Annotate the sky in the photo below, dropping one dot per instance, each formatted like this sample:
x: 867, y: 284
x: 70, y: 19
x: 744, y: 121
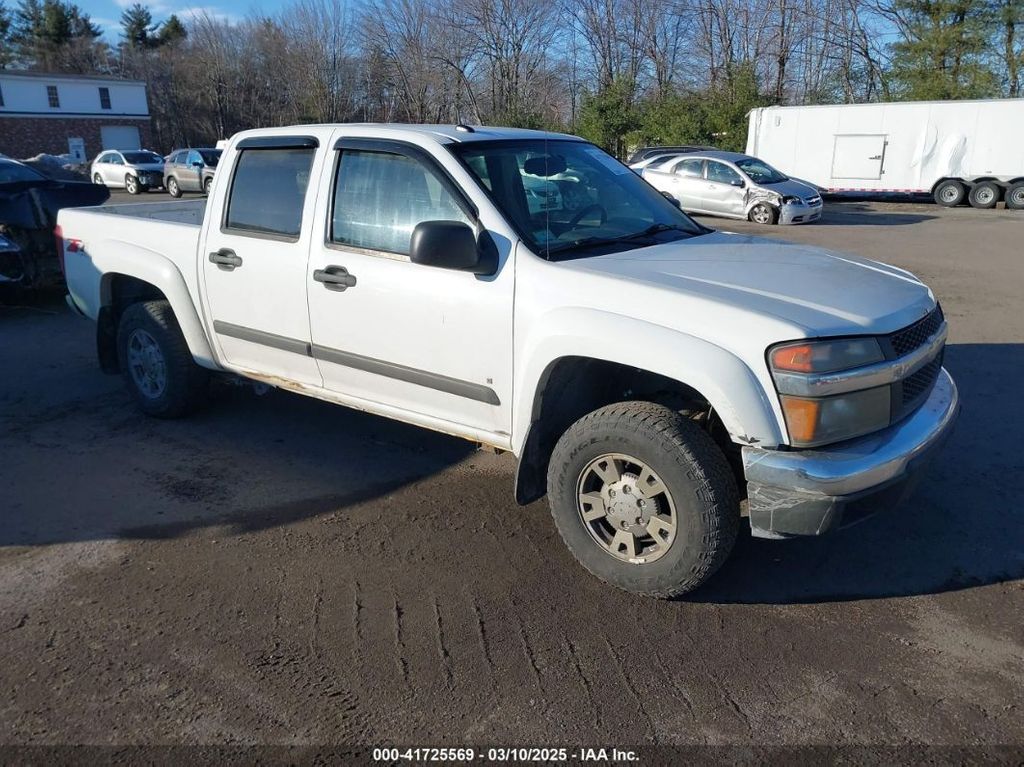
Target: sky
x: 107, y: 13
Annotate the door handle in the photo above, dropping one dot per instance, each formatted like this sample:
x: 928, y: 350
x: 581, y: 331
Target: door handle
x: 225, y: 259
x: 876, y: 157
x: 335, y: 278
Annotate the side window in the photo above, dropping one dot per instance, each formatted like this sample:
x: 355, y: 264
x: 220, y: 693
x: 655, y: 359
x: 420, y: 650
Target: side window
x: 104, y: 98
x: 723, y: 174
x: 115, y: 159
x: 176, y: 158
x: 379, y: 198
x: 689, y: 168
x: 268, y: 191
x: 193, y: 157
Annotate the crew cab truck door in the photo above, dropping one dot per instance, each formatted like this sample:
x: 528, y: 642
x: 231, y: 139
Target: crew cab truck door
x: 411, y: 338
x: 254, y: 258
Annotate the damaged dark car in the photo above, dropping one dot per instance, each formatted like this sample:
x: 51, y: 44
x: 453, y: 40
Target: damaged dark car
x: 29, y: 202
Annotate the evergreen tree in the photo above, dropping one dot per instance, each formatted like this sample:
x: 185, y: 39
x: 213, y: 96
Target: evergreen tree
x: 137, y: 27
x: 172, y: 31
x: 6, y: 52
x: 942, y: 55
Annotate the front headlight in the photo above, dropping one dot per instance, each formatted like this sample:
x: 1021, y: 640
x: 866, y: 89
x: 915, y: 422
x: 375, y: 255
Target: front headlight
x: 820, y: 420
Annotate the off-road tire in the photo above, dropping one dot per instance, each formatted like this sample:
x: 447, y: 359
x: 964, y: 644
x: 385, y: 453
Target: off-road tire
x: 186, y: 382
x: 949, y: 193
x: 1015, y: 196
x: 767, y: 214
x: 984, y: 195
x: 691, y: 466
x: 172, y: 187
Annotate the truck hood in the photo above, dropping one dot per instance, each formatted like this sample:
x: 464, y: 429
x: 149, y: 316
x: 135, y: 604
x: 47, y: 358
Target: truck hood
x: 822, y: 292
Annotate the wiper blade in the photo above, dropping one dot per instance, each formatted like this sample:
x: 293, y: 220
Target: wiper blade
x: 655, y: 229
x: 584, y: 242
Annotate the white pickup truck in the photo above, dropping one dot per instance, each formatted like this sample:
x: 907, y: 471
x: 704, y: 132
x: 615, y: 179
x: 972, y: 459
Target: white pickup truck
x: 658, y: 380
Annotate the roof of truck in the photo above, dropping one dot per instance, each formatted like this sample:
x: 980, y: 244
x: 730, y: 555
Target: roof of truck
x: 443, y: 134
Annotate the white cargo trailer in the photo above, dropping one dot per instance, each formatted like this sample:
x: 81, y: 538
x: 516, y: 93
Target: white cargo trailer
x: 953, y: 150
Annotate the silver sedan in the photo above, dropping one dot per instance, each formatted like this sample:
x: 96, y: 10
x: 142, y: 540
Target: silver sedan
x: 135, y: 170
x: 734, y: 185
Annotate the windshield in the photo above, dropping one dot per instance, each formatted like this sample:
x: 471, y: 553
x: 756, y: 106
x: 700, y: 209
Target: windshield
x: 568, y: 199
x: 759, y: 171
x: 12, y: 173
x: 136, y: 158
x: 210, y: 156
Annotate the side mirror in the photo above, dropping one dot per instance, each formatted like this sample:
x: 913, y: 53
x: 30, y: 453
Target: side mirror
x: 737, y: 182
x: 197, y: 165
x: 451, y: 245
x: 671, y: 198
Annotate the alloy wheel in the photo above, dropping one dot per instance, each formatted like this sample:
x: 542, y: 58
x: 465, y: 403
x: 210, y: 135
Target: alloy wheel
x: 626, y: 508
x: 146, y: 364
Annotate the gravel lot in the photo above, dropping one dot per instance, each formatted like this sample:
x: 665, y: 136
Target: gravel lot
x: 278, y: 570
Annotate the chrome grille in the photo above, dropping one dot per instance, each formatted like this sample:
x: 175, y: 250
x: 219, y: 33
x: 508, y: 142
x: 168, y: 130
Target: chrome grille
x: 910, y: 338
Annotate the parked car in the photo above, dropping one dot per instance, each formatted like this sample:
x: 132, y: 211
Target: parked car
x: 735, y: 185
x: 134, y: 170
x: 642, y: 367
x: 190, y: 170
x: 653, y: 161
x: 647, y: 152
x: 29, y: 202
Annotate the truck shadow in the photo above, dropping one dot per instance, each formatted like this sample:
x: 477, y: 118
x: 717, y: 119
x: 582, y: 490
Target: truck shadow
x: 960, y: 529
x: 82, y: 464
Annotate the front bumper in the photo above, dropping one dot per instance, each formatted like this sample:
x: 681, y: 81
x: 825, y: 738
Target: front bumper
x: 799, y: 213
x: 810, y: 492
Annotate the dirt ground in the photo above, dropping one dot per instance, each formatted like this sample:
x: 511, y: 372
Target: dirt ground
x: 277, y: 570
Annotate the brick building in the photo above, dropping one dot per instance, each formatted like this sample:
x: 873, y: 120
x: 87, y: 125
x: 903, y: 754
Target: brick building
x: 70, y: 114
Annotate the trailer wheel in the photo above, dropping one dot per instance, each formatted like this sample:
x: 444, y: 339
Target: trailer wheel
x: 1015, y: 196
x: 984, y: 195
x: 950, y: 193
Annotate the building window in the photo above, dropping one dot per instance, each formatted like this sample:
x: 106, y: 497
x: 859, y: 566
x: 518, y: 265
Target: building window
x: 104, y: 98
x: 51, y: 94
x: 1, y: 97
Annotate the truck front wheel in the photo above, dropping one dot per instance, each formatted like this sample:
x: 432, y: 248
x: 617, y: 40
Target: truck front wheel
x: 643, y: 498
x: 156, y: 362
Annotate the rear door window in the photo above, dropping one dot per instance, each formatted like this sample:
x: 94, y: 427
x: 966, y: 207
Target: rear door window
x: 268, y: 191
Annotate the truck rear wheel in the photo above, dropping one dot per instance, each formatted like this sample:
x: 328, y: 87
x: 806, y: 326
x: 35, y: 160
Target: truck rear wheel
x: 950, y: 193
x: 156, y: 362
x: 984, y: 195
x: 1015, y: 196
x: 643, y: 498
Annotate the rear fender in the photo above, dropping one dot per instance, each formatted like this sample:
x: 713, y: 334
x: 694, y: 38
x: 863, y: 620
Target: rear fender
x: 157, y: 270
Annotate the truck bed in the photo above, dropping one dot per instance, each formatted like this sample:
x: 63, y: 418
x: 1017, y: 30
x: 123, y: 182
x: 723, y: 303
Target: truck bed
x: 178, y: 212
x: 146, y: 240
